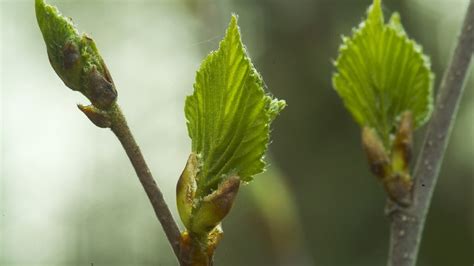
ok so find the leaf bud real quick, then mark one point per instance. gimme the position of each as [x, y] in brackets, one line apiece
[74, 57]
[97, 116]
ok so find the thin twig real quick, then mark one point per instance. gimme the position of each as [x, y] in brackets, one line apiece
[407, 223]
[122, 131]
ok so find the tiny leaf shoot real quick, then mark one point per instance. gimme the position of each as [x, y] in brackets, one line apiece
[229, 114]
[228, 118]
[381, 74]
[385, 82]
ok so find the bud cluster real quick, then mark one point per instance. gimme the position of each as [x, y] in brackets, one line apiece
[392, 167]
[75, 57]
[202, 214]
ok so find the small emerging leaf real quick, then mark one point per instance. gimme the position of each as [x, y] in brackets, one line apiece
[229, 115]
[381, 73]
[75, 57]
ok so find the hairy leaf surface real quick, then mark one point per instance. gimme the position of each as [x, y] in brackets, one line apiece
[229, 114]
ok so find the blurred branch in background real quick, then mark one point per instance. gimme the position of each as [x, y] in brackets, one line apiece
[407, 223]
[276, 204]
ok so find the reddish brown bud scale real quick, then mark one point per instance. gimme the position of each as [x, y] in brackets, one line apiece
[192, 250]
[192, 253]
[402, 145]
[98, 117]
[399, 184]
[71, 55]
[377, 156]
[101, 91]
[215, 206]
[398, 188]
[392, 170]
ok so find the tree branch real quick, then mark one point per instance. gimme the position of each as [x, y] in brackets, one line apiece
[122, 131]
[407, 223]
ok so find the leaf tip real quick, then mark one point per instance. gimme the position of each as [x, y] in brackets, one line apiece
[233, 23]
[374, 13]
[234, 18]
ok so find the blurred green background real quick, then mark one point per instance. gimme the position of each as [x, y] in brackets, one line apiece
[68, 195]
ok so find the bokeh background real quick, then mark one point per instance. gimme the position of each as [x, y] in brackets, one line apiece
[69, 196]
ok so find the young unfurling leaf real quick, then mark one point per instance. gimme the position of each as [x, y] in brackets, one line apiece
[228, 118]
[381, 73]
[229, 115]
[385, 81]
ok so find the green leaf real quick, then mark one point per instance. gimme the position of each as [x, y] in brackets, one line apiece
[75, 57]
[381, 73]
[229, 114]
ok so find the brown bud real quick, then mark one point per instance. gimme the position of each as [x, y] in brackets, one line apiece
[399, 188]
[376, 154]
[71, 55]
[100, 89]
[214, 238]
[192, 251]
[399, 184]
[198, 250]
